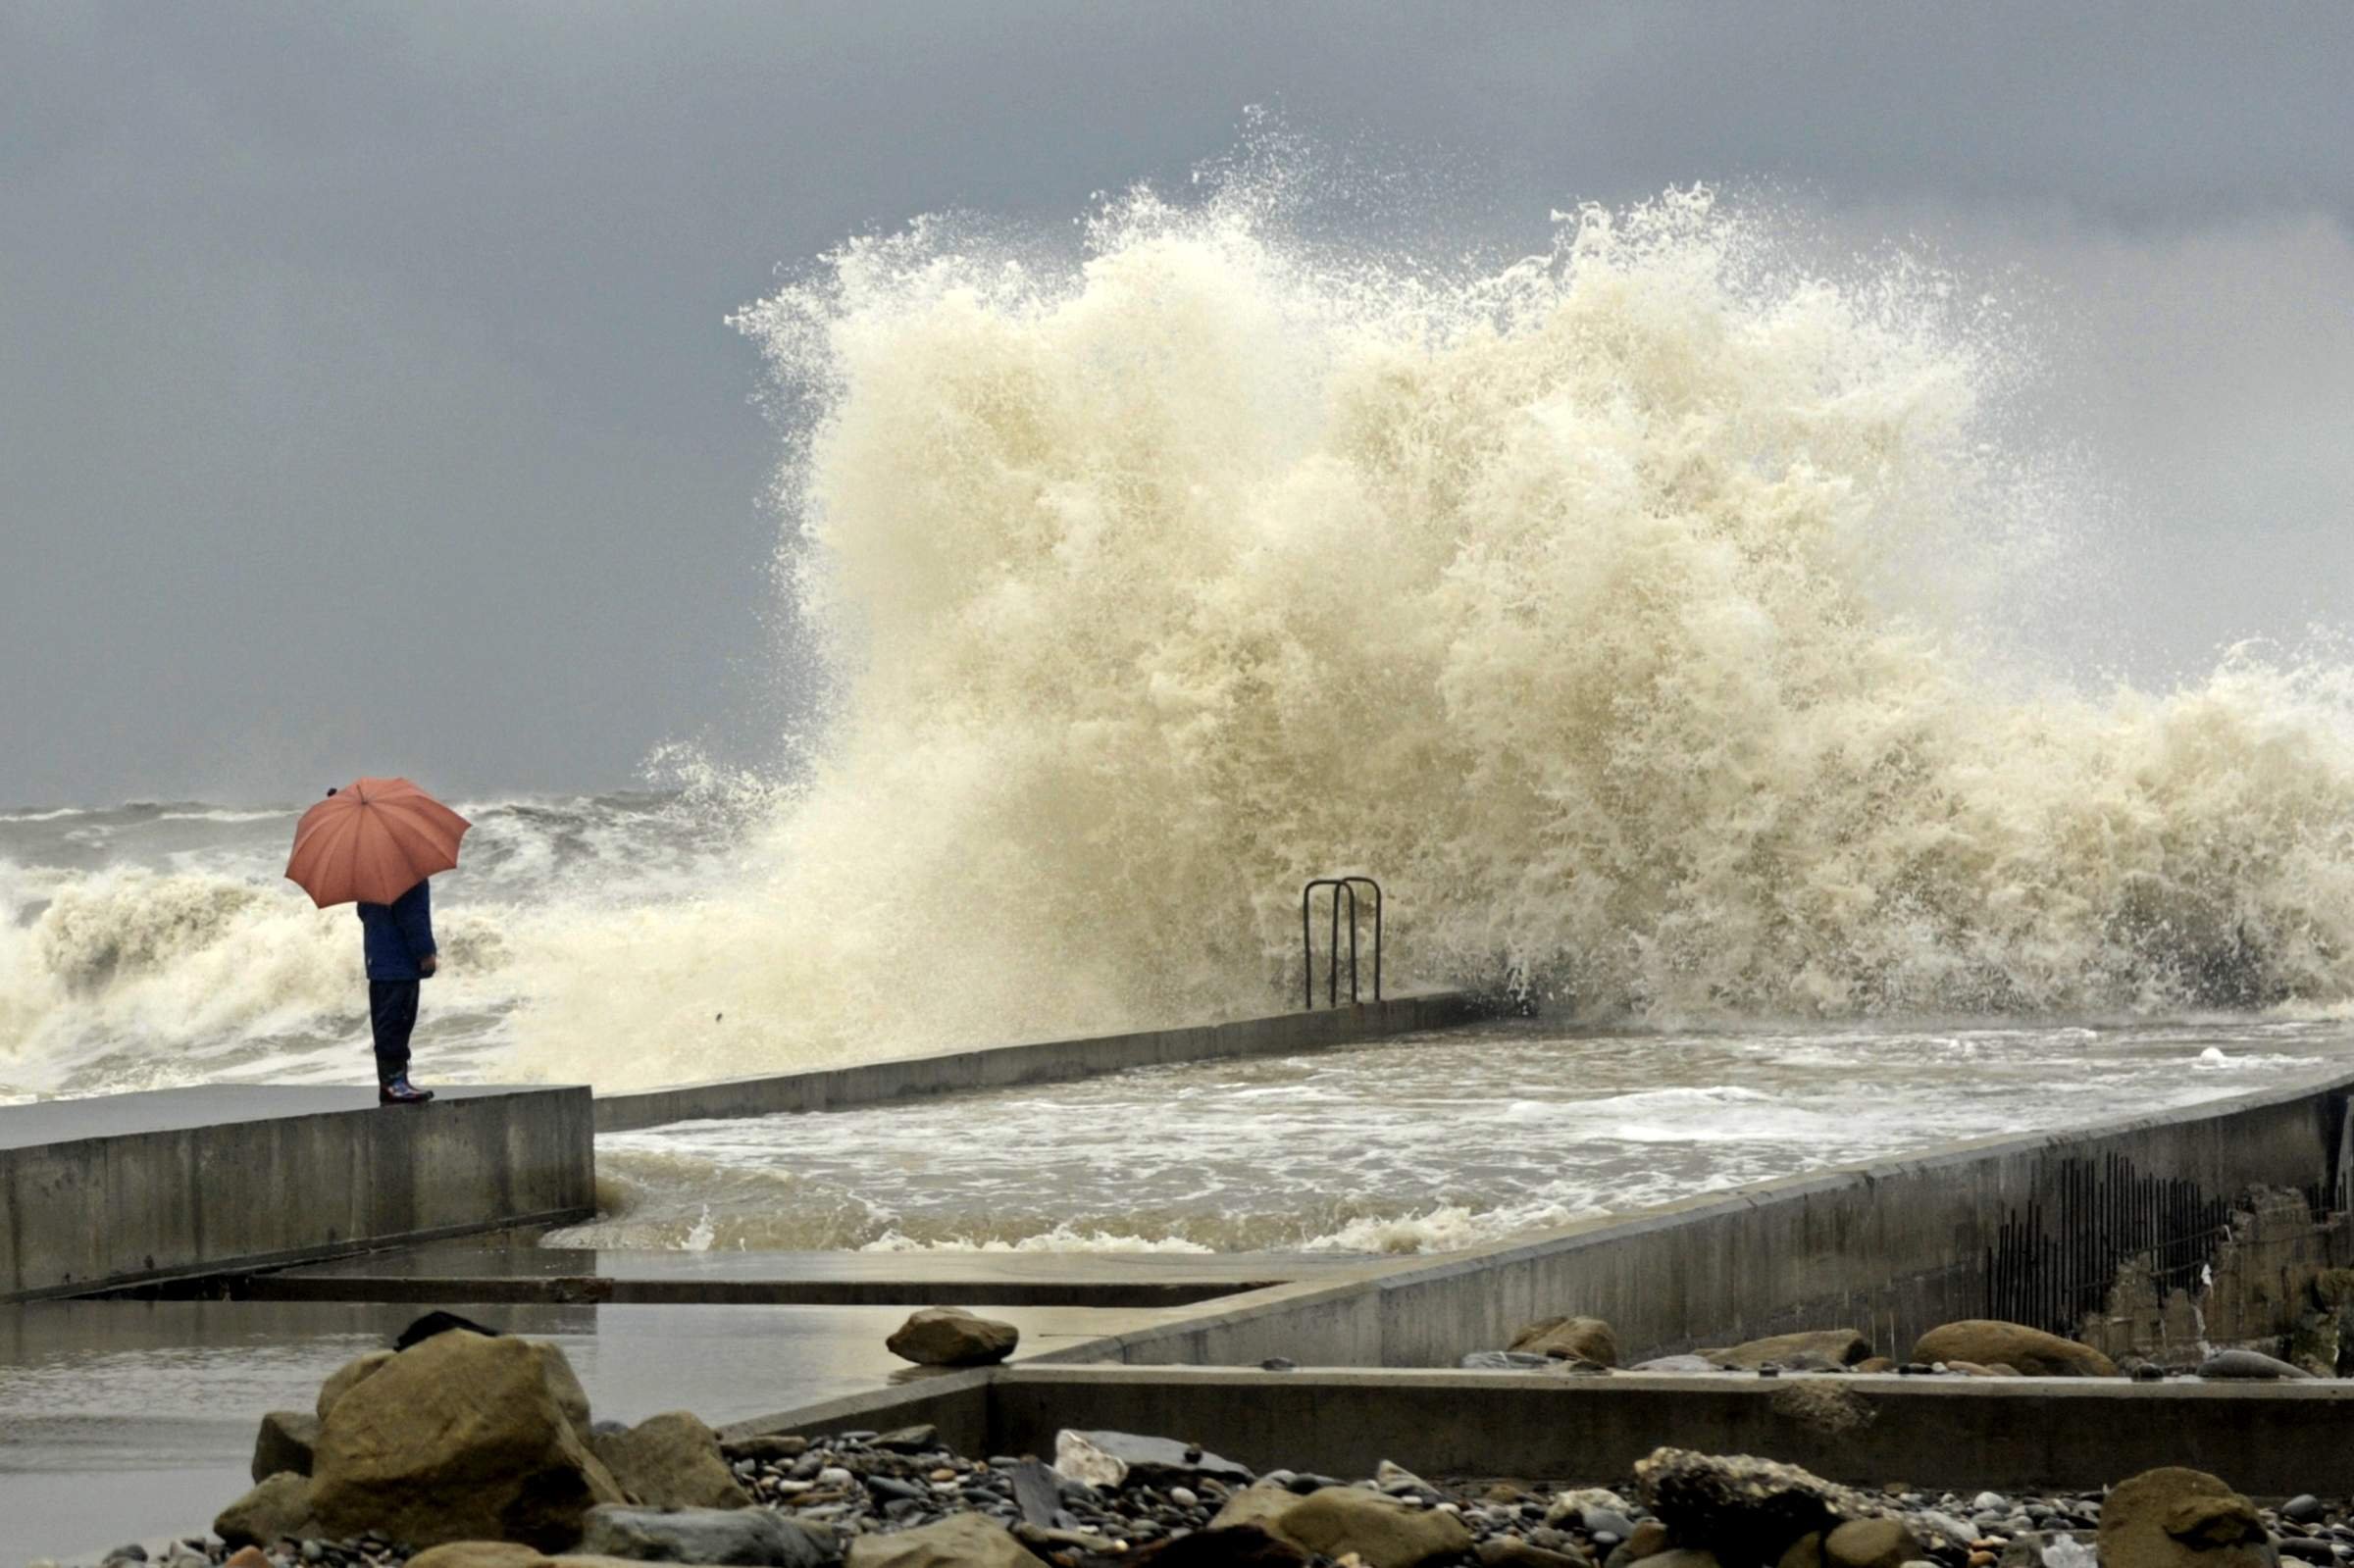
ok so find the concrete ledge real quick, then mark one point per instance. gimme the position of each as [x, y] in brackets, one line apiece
[1892, 1248]
[837, 1089]
[956, 1403]
[124, 1189]
[2270, 1439]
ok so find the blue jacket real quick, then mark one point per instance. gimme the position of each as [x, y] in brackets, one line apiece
[398, 933]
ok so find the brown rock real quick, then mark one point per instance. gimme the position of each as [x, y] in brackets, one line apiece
[1260, 1503]
[278, 1509]
[961, 1540]
[477, 1554]
[671, 1461]
[248, 1557]
[951, 1337]
[2033, 1352]
[1874, 1363]
[1382, 1531]
[1570, 1339]
[2179, 1518]
[1839, 1348]
[1871, 1543]
[346, 1377]
[285, 1443]
[461, 1438]
[1804, 1552]
[1684, 1557]
[1504, 1552]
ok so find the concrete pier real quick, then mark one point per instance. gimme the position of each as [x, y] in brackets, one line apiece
[122, 1189]
[837, 1089]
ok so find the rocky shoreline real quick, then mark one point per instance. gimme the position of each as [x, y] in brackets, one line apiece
[464, 1449]
[903, 1499]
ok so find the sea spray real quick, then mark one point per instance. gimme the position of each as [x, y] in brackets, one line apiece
[1632, 609]
[1612, 607]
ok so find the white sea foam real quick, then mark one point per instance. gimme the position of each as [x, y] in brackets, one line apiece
[1582, 600]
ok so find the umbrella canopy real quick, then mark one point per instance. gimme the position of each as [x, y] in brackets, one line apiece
[372, 841]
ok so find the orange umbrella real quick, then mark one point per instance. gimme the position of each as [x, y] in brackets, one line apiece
[372, 842]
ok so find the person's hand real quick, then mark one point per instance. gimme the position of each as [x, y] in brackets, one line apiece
[429, 963]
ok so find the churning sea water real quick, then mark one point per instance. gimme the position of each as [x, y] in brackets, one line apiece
[1632, 609]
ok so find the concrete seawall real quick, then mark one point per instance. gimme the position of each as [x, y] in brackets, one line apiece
[2029, 1228]
[130, 1187]
[837, 1089]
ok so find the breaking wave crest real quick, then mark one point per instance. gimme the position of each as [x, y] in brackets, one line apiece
[1624, 609]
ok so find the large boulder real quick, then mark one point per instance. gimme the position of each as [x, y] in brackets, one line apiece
[1108, 1459]
[951, 1337]
[1840, 1347]
[462, 1438]
[347, 1377]
[2178, 1518]
[1988, 1341]
[752, 1538]
[1569, 1339]
[278, 1509]
[1740, 1509]
[285, 1443]
[670, 1461]
[961, 1540]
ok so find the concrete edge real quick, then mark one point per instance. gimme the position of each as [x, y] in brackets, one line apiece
[136, 1282]
[871, 1083]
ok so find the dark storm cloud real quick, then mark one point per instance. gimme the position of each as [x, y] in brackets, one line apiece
[365, 397]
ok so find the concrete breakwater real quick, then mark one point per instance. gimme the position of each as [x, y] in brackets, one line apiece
[2038, 1230]
[126, 1189]
[130, 1187]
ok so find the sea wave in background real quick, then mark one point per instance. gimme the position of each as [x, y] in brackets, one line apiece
[1634, 610]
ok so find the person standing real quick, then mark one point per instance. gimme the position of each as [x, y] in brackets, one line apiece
[399, 944]
[373, 844]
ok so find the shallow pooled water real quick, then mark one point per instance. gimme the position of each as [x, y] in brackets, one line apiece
[1428, 1143]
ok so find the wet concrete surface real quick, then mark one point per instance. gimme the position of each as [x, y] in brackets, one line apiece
[127, 1420]
[515, 1267]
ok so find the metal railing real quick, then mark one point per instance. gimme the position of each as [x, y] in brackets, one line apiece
[1341, 888]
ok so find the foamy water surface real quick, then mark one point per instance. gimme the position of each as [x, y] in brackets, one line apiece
[1422, 1144]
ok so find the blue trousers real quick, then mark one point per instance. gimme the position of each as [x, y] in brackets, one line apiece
[392, 1009]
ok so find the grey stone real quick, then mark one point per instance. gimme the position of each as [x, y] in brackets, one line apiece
[1117, 1458]
[1036, 1492]
[1505, 1361]
[2250, 1366]
[285, 1444]
[2304, 1508]
[752, 1538]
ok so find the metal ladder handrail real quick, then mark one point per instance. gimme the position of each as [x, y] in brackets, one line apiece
[1307, 945]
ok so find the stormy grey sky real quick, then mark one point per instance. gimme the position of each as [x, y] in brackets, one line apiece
[365, 397]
